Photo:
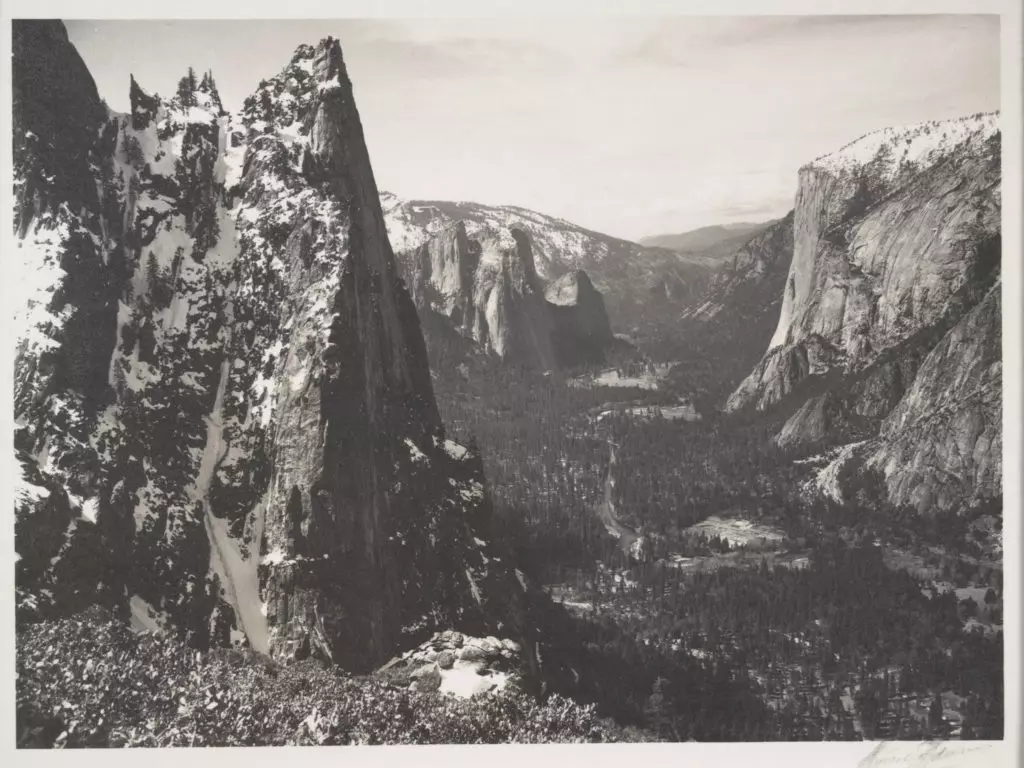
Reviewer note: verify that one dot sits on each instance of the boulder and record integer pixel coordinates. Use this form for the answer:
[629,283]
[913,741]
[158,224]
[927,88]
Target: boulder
[452,638]
[426,669]
[427,678]
[471,653]
[492,647]
[445,659]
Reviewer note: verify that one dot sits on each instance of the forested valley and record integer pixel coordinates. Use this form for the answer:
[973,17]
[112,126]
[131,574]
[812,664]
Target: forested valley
[742,606]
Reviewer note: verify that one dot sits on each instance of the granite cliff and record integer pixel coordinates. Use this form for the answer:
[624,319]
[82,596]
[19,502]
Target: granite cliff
[888,331]
[488,288]
[225,418]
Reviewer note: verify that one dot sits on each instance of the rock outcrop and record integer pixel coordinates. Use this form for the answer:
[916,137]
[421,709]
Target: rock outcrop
[225,416]
[460,665]
[809,424]
[488,287]
[581,332]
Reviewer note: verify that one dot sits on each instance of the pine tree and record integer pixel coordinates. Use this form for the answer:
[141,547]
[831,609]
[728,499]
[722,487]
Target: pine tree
[185,94]
[654,708]
[156,280]
[152,271]
[187,88]
[935,714]
[214,94]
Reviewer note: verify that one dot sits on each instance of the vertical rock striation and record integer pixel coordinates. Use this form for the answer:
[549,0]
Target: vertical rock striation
[941,446]
[891,306]
[248,447]
[488,287]
[884,238]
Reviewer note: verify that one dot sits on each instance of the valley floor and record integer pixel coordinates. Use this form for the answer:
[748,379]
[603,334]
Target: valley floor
[688,552]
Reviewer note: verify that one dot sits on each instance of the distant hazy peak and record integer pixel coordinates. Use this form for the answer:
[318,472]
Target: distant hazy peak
[724,237]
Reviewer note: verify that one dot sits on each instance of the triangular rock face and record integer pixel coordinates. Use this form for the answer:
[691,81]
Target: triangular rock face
[223,396]
[581,332]
[488,287]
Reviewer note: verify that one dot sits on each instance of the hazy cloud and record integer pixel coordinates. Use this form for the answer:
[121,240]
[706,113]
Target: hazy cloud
[630,126]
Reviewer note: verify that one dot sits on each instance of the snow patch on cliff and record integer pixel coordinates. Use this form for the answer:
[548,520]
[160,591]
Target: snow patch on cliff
[28,493]
[921,144]
[238,574]
[414,451]
[146,618]
[37,274]
[455,450]
[827,480]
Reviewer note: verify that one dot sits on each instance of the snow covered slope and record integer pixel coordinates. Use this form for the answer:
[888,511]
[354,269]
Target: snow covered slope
[836,190]
[223,401]
[918,146]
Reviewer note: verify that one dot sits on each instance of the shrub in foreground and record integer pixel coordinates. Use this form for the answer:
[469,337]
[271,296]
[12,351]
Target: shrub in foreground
[90,681]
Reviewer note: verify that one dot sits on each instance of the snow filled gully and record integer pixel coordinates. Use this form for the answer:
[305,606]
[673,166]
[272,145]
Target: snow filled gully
[238,574]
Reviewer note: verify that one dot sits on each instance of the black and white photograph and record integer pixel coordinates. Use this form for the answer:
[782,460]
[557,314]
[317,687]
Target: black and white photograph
[527,379]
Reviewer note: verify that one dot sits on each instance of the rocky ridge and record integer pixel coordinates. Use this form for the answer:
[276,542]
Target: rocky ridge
[462,665]
[225,420]
[624,273]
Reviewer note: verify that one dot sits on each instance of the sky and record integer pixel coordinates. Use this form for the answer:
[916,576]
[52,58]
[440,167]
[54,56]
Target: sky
[628,126]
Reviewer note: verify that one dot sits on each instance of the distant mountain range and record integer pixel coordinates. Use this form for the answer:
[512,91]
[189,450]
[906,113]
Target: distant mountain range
[627,274]
[718,239]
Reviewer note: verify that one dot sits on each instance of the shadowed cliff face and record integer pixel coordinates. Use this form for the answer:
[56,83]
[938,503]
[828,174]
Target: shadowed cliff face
[65,112]
[251,451]
[332,496]
[581,330]
[488,288]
